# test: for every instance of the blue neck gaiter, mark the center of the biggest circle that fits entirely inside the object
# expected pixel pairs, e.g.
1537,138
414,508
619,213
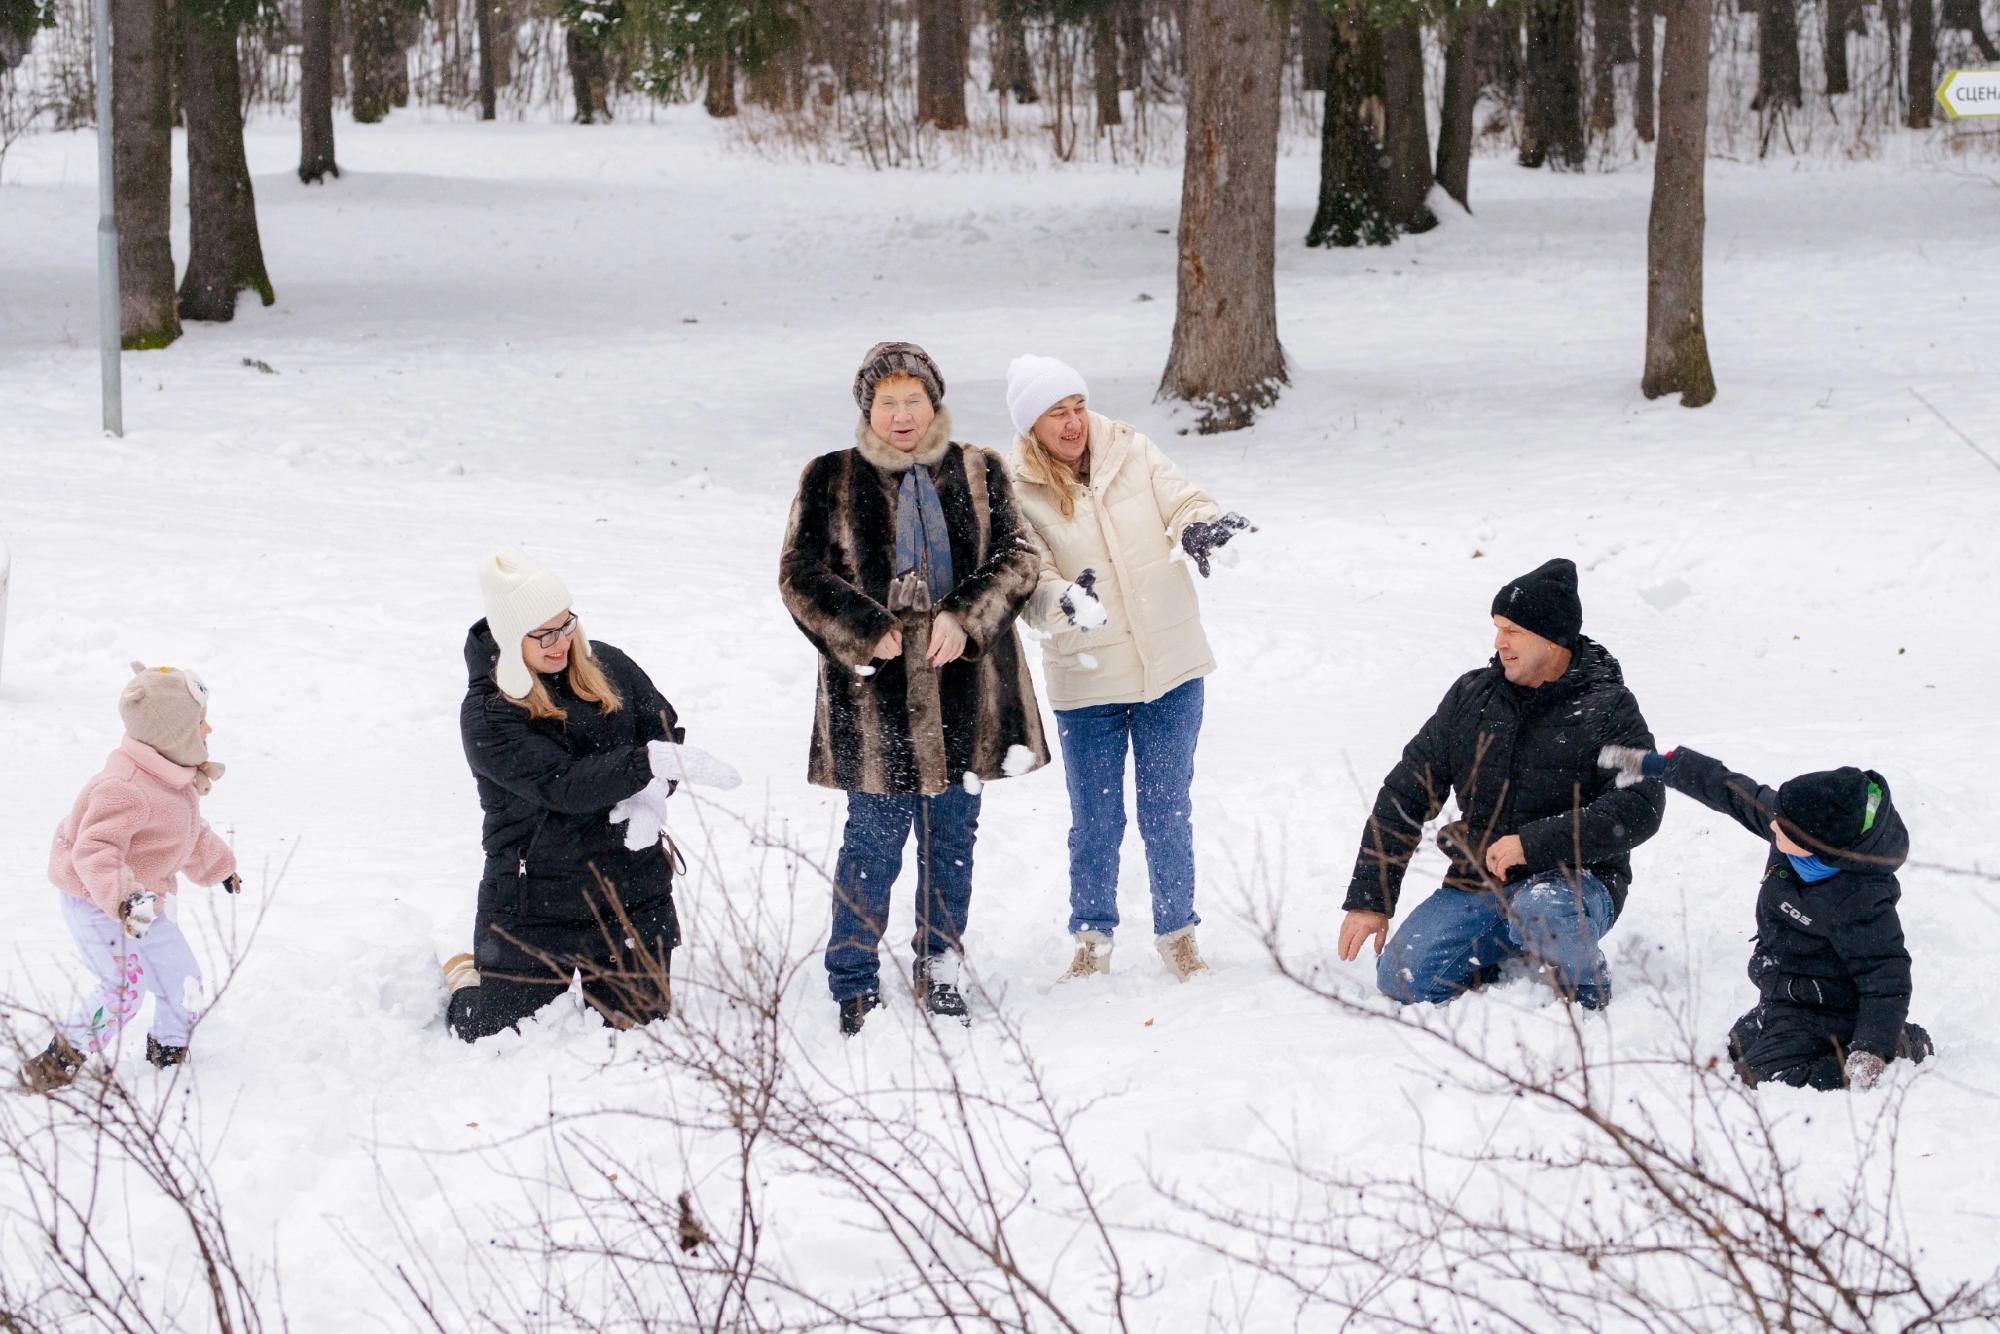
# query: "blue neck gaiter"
1811,869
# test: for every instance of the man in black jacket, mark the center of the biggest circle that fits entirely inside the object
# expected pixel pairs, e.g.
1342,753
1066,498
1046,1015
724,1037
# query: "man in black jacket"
1540,856
1829,962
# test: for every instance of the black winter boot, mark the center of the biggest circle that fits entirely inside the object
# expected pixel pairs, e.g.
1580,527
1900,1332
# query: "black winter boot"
53,1069
161,1056
936,981
854,1012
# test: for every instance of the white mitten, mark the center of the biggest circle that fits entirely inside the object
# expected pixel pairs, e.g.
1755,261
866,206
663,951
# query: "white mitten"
678,762
644,815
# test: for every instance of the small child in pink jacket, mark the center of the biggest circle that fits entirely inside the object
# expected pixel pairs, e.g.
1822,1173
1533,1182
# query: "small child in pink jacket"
137,826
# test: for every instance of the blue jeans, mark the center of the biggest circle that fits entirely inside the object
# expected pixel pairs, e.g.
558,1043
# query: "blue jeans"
871,857
1161,736
1455,940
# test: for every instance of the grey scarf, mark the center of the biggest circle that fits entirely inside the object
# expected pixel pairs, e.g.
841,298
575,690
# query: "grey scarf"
923,548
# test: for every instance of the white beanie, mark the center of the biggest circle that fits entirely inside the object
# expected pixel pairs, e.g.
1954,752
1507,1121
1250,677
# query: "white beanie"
1036,384
519,596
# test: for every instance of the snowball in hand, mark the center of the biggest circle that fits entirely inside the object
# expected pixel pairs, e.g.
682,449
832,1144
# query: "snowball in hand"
644,815
1086,612
678,762
1019,760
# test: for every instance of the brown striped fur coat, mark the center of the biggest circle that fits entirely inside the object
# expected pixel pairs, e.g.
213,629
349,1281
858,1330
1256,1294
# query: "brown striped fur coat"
906,728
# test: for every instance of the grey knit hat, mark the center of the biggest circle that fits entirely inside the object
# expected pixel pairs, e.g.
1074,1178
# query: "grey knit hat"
887,359
163,707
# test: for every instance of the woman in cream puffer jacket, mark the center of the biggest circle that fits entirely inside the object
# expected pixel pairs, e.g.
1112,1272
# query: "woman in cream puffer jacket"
1117,527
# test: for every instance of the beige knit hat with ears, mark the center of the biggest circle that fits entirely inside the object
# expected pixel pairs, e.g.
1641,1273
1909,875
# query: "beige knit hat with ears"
519,596
163,708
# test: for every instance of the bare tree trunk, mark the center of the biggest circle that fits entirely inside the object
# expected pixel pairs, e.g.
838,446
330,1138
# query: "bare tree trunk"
941,46
1405,132
506,19
720,99
1553,132
1132,36
1315,41
1610,21
316,161
1676,343
225,253
489,86
1923,64
378,57
1461,97
585,52
1833,44
1964,16
143,162
1225,357
1013,65
1778,80
1354,207
1104,66
1642,91
409,31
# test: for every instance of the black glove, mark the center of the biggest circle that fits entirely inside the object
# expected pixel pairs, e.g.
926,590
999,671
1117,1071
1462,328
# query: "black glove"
1200,540
1087,582
233,885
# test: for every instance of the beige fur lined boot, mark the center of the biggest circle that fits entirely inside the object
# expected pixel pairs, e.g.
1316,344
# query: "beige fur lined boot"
1093,955
1181,955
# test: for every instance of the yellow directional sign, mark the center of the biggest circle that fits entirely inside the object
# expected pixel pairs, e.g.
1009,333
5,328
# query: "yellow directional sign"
1970,92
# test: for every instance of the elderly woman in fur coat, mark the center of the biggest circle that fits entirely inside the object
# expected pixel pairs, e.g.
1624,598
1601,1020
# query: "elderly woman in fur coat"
905,564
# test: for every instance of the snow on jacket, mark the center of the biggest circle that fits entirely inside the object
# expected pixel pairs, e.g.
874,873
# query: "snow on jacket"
547,786
1127,526
1522,762
1833,945
898,727
136,826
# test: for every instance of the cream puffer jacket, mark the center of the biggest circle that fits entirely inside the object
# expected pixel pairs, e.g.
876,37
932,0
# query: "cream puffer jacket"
1127,526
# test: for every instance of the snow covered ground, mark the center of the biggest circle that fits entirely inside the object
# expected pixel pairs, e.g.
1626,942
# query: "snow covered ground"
616,347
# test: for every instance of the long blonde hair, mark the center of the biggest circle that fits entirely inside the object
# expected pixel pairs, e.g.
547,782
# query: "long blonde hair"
587,682
1044,468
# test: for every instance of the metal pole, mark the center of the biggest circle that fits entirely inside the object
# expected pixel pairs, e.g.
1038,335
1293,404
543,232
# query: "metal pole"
108,322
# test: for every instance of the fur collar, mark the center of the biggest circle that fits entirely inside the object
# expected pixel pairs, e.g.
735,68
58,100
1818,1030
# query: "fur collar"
890,459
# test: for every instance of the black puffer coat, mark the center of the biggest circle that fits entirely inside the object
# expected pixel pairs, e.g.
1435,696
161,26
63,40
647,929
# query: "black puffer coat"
1522,762
1836,945
547,787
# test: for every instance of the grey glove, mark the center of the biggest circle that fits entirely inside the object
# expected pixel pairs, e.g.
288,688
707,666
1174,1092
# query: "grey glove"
1864,1068
1201,540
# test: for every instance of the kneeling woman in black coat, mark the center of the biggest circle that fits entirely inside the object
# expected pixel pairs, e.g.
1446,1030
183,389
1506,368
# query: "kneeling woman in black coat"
568,741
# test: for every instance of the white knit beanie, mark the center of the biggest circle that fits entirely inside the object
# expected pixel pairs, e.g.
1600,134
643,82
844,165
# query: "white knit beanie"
1036,384
519,596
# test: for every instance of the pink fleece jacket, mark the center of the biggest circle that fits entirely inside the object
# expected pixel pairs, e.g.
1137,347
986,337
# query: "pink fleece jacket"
136,825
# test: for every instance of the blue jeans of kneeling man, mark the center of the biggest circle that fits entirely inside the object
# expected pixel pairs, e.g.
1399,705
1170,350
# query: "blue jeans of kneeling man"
1161,738
871,857
1455,940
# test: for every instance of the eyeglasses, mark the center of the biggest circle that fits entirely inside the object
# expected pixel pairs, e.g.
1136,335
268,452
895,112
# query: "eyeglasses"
550,638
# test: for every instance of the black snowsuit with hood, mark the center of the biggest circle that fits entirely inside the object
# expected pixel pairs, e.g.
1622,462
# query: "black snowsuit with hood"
553,858
1828,958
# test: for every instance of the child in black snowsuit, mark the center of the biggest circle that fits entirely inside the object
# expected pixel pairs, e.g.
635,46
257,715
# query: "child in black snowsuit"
1828,961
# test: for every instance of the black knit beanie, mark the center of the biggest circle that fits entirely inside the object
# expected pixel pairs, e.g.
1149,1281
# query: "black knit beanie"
886,359
1829,807
1545,601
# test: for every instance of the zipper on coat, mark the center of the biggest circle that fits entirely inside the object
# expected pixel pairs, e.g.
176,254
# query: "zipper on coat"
521,867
